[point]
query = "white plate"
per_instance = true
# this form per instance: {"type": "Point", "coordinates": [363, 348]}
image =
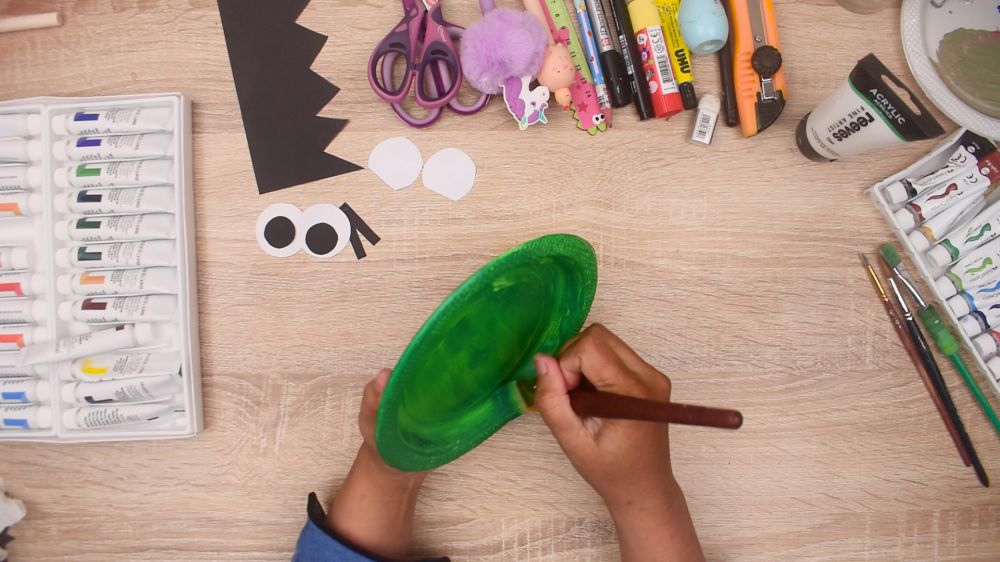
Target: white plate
{"type": "Point", "coordinates": [922, 26]}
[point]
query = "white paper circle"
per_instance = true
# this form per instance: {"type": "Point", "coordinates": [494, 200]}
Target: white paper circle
{"type": "Point", "coordinates": [450, 172]}
{"type": "Point", "coordinates": [397, 161]}
{"type": "Point", "coordinates": [329, 215]}
{"type": "Point", "coordinates": [286, 210]}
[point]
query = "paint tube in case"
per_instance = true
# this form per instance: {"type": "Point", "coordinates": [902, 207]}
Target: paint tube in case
{"type": "Point", "coordinates": [115, 200]}
{"type": "Point", "coordinates": [930, 203]}
{"type": "Point", "coordinates": [100, 417]}
{"type": "Point", "coordinates": [136, 389]}
{"type": "Point", "coordinates": [118, 254]}
{"type": "Point", "coordinates": [20, 204]}
{"type": "Point", "coordinates": [117, 228]}
{"type": "Point", "coordinates": [932, 230]}
{"type": "Point", "coordinates": [862, 115]}
{"type": "Point", "coordinates": [143, 308]}
{"type": "Point", "coordinates": [25, 416]}
{"type": "Point", "coordinates": [122, 173]}
{"type": "Point", "coordinates": [22, 371]}
{"type": "Point", "coordinates": [141, 281]}
{"type": "Point", "coordinates": [22, 311]}
{"type": "Point", "coordinates": [114, 121]}
{"type": "Point", "coordinates": [102, 341]}
{"type": "Point", "coordinates": [24, 391]}
{"type": "Point", "coordinates": [20, 150]}
{"type": "Point", "coordinates": [987, 344]}
{"type": "Point", "coordinates": [14, 338]}
{"type": "Point", "coordinates": [20, 125]}
{"type": "Point", "coordinates": [980, 267]}
{"type": "Point", "coordinates": [20, 178]}
{"type": "Point", "coordinates": [16, 230]}
{"type": "Point", "coordinates": [979, 321]}
{"type": "Point", "coordinates": [110, 366]}
{"type": "Point", "coordinates": [972, 148]}
{"type": "Point", "coordinates": [14, 258]}
{"type": "Point", "coordinates": [655, 58]}
{"type": "Point", "coordinates": [21, 284]}
{"type": "Point", "coordinates": [120, 147]}
{"type": "Point", "coordinates": [969, 235]}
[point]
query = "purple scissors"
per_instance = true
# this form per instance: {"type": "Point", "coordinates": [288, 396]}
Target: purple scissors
{"type": "Point", "coordinates": [426, 42]}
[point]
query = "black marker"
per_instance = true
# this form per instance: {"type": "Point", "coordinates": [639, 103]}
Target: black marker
{"type": "Point", "coordinates": [630, 53]}
{"type": "Point", "coordinates": [615, 75]}
{"type": "Point", "coordinates": [726, 70]}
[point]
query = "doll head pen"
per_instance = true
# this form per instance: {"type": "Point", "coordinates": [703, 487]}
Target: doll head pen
{"type": "Point", "coordinates": [939, 331]}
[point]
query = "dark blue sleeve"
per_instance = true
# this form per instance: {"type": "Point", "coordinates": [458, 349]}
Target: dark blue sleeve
{"type": "Point", "coordinates": [317, 544]}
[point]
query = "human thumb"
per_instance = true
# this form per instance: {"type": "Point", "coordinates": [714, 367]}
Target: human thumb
{"type": "Point", "coordinates": [552, 399]}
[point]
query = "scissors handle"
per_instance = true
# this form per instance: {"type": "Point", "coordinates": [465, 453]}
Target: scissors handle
{"type": "Point", "coordinates": [402, 41]}
{"type": "Point", "coordinates": [438, 50]}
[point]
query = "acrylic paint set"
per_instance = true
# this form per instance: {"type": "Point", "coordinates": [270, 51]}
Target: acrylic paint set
{"type": "Point", "coordinates": [98, 302]}
{"type": "Point", "coordinates": [947, 218]}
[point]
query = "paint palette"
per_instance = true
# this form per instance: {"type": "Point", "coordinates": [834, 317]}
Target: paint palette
{"type": "Point", "coordinates": [97, 239]}
{"type": "Point", "coordinates": [469, 370]}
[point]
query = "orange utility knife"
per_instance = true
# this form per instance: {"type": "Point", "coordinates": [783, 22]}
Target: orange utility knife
{"type": "Point", "coordinates": [758, 77]}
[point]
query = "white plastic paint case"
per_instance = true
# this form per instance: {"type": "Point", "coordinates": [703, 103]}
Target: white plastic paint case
{"type": "Point", "coordinates": [184, 418]}
{"type": "Point", "coordinates": [936, 159]}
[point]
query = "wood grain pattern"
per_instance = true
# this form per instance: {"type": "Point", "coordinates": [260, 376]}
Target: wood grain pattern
{"type": "Point", "coordinates": [733, 269]}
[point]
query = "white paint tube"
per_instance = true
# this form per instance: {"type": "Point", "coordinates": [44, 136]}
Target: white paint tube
{"type": "Point", "coordinates": [25, 416]}
{"type": "Point", "coordinates": [20, 178]}
{"type": "Point", "coordinates": [122, 173]}
{"type": "Point", "coordinates": [971, 149]}
{"type": "Point", "coordinates": [99, 417]}
{"type": "Point", "coordinates": [102, 341]}
{"type": "Point", "coordinates": [16, 230]}
{"type": "Point", "coordinates": [120, 147]}
{"type": "Point", "coordinates": [136, 389]}
{"type": "Point", "coordinates": [140, 281]}
{"type": "Point", "coordinates": [20, 125]}
{"type": "Point", "coordinates": [13, 258]}
{"type": "Point", "coordinates": [933, 202]}
{"type": "Point", "coordinates": [971, 234]}
{"type": "Point", "coordinates": [119, 254]}
{"type": "Point", "coordinates": [20, 150]}
{"type": "Point", "coordinates": [143, 308]}
{"type": "Point", "coordinates": [117, 228]}
{"type": "Point", "coordinates": [21, 284]}
{"type": "Point", "coordinates": [14, 338]}
{"type": "Point", "coordinates": [110, 366]}
{"type": "Point", "coordinates": [20, 204]}
{"type": "Point", "coordinates": [24, 391]}
{"type": "Point", "coordinates": [114, 121]}
{"type": "Point", "coordinates": [22, 311]}
{"type": "Point", "coordinates": [980, 267]}
{"type": "Point", "coordinates": [116, 200]}
{"type": "Point", "coordinates": [932, 230]}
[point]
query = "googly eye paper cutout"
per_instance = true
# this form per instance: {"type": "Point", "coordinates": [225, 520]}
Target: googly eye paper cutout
{"type": "Point", "coordinates": [396, 161]}
{"type": "Point", "coordinates": [277, 230]}
{"type": "Point", "coordinates": [450, 172]}
{"type": "Point", "coordinates": [324, 231]}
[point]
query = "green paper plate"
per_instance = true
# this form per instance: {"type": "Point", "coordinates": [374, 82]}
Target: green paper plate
{"type": "Point", "coordinates": [469, 368]}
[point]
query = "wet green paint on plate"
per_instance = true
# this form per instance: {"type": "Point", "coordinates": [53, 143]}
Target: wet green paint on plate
{"type": "Point", "coordinates": [469, 369]}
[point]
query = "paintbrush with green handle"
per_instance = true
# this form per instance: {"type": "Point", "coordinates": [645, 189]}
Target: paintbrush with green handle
{"type": "Point", "coordinates": [939, 331]}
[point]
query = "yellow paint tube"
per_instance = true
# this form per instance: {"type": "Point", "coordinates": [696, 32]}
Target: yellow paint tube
{"type": "Point", "coordinates": [680, 56]}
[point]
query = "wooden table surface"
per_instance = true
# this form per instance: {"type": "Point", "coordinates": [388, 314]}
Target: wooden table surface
{"type": "Point", "coordinates": [733, 269]}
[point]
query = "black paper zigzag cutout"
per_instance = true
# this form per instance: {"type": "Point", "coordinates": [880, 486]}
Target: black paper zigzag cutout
{"type": "Point", "coordinates": [279, 94]}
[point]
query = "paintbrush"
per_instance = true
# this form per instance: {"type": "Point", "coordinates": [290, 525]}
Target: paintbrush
{"type": "Point", "coordinates": [939, 331]}
{"type": "Point", "coordinates": [935, 375]}
{"type": "Point", "coordinates": [911, 349]}
{"type": "Point", "coordinates": [597, 404]}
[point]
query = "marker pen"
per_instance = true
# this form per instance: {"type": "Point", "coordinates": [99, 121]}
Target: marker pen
{"type": "Point", "coordinates": [615, 76]}
{"type": "Point", "coordinates": [590, 51]}
{"type": "Point", "coordinates": [20, 150]}
{"type": "Point", "coordinates": [630, 54]}
{"type": "Point", "coordinates": [655, 59]}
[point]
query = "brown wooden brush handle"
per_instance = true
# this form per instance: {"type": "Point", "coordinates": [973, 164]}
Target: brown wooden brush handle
{"type": "Point", "coordinates": [597, 404]}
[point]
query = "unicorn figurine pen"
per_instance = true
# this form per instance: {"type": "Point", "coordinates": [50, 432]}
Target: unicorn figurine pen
{"type": "Point", "coordinates": [558, 71]}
